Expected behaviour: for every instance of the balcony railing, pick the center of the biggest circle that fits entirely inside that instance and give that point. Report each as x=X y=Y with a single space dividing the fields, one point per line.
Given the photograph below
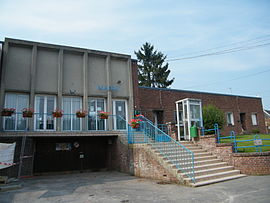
x=68 y=122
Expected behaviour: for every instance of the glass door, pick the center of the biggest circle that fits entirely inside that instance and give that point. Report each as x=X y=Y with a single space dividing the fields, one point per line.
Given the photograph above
x=45 y=105
x=120 y=112
x=70 y=120
x=94 y=122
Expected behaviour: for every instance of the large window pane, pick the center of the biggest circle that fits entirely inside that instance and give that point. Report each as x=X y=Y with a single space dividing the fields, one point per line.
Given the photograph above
x=16 y=121
x=70 y=106
x=120 y=112
x=45 y=105
x=94 y=122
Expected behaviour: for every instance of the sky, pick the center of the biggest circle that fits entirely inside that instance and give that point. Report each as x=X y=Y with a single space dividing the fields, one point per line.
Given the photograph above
x=179 y=29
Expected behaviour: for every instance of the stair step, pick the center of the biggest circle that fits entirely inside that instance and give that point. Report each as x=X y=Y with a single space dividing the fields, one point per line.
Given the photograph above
x=174 y=153
x=210 y=171
x=196 y=163
x=196 y=158
x=208 y=166
x=207 y=182
x=206 y=177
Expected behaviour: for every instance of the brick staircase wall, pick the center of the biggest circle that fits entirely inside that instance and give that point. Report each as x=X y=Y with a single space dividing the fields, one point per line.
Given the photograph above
x=148 y=164
x=257 y=163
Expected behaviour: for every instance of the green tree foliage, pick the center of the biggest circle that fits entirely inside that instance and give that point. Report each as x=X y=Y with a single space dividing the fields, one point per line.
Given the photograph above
x=152 y=72
x=212 y=115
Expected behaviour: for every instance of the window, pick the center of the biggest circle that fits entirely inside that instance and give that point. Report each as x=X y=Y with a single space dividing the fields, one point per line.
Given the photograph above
x=254 y=119
x=94 y=122
x=16 y=121
x=69 y=119
x=230 y=120
x=44 y=106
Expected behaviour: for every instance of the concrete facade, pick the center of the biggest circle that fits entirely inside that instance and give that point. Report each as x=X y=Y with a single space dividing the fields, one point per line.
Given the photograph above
x=32 y=69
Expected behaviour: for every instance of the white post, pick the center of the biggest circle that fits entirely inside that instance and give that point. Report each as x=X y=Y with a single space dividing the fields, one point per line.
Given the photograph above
x=178 y=123
x=188 y=117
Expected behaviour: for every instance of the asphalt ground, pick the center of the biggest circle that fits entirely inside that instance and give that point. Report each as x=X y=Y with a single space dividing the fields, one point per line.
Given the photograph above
x=110 y=187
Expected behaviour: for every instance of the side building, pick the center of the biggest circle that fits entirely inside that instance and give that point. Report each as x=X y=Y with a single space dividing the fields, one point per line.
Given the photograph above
x=47 y=77
x=242 y=114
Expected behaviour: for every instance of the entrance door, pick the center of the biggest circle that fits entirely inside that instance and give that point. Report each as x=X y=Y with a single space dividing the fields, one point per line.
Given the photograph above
x=243 y=121
x=120 y=112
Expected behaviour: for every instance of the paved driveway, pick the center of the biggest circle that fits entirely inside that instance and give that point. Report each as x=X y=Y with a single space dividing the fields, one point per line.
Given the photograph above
x=122 y=188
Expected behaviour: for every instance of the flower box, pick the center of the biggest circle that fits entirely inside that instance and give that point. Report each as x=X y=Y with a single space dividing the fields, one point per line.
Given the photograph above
x=27 y=113
x=57 y=113
x=81 y=114
x=7 y=111
x=135 y=123
x=103 y=115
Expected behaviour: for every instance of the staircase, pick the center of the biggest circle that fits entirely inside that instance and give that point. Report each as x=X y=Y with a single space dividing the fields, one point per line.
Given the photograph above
x=208 y=169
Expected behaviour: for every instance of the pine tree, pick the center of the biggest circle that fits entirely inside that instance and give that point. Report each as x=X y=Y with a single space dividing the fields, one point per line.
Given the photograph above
x=152 y=72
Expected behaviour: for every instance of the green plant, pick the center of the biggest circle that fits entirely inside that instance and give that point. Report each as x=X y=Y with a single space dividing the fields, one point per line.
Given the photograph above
x=103 y=115
x=255 y=131
x=81 y=113
x=212 y=115
x=28 y=112
x=8 y=111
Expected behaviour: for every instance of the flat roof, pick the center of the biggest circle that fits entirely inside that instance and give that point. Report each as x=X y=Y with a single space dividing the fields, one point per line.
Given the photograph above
x=56 y=46
x=197 y=92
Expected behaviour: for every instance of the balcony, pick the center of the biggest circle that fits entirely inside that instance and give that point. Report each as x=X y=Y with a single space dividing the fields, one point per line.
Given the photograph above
x=42 y=124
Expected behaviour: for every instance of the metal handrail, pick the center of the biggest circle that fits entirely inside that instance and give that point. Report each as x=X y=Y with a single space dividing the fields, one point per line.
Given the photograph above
x=181 y=157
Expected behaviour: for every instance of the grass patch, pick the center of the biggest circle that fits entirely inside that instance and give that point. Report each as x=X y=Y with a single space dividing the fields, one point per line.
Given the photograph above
x=249 y=143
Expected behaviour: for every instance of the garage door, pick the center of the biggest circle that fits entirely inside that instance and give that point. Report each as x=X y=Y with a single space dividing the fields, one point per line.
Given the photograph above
x=71 y=153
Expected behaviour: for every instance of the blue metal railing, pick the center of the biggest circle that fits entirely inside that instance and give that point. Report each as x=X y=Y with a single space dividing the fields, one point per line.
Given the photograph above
x=173 y=151
x=69 y=122
x=232 y=137
x=163 y=127
x=214 y=130
x=258 y=146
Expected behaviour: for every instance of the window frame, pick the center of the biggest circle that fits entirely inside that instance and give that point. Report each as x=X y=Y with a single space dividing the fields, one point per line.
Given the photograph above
x=16 y=111
x=45 y=113
x=114 y=113
x=229 y=115
x=72 y=114
x=256 y=119
x=105 y=109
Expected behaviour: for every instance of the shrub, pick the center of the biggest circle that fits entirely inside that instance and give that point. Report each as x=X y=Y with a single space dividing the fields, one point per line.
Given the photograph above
x=212 y=115
x=255 y=131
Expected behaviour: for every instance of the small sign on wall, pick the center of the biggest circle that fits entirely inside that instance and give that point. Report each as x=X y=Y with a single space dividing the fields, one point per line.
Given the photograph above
x=63 y=146
x=257 y=142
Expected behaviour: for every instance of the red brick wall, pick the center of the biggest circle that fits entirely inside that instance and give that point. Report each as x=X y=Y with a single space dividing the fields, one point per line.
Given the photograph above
x=247 y=163
x=146 y=166
x=252 y=163
x=157 y=99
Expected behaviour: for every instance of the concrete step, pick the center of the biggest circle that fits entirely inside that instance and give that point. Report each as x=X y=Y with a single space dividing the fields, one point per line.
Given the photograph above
x=196 y=158
x=209 y=166
x=216 y=180
x=191 y=148
x=196 y=163
x=173 y=153
x=218 y=175
x=209 y=171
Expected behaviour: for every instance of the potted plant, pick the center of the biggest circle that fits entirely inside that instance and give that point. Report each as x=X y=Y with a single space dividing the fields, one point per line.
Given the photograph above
x=27 y=112
x=135 y=123
x=57 y=113
x=8 y=111
x=103 y=115
x=81 y=113
x=139 y=115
